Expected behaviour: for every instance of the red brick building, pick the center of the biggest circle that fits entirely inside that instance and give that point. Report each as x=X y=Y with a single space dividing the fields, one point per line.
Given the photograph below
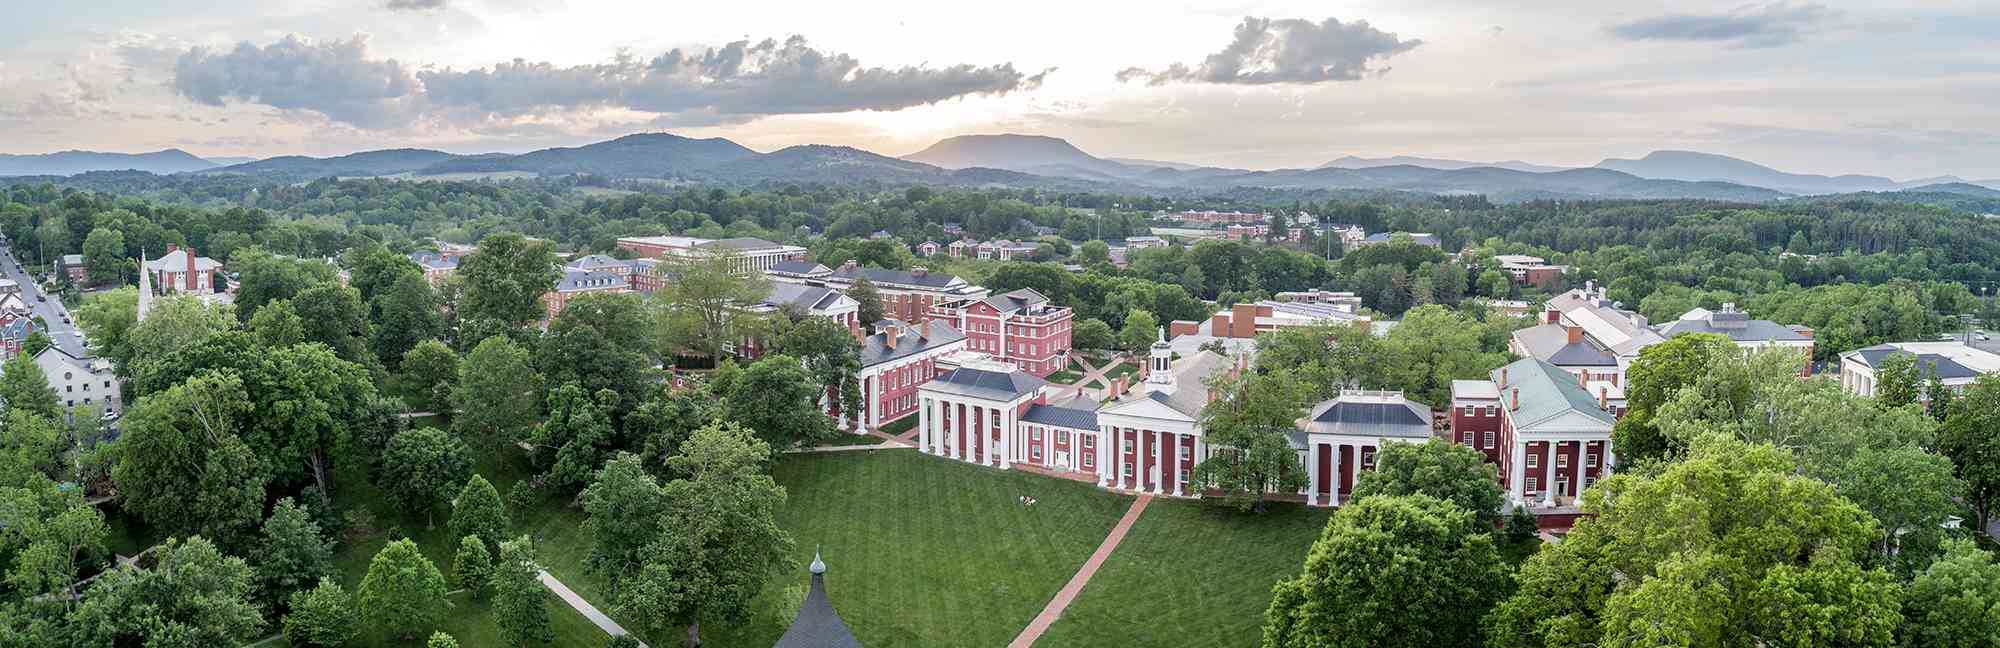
x=1552 y=439
x=895 y=361
x=1020 y=328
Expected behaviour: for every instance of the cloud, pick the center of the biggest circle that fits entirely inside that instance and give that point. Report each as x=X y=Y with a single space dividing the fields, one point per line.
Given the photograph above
x=733 y=83
x=1267 y=51
x=413 y=5
x=1770 y=25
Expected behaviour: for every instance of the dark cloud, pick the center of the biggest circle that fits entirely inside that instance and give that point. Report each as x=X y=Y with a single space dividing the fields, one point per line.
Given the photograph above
x=732 y=83
x=414 y=5
x=1287 y=51
x=1769 y=25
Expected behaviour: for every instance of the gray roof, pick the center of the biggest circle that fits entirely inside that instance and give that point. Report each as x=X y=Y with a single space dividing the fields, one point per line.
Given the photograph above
x=596 y=262
x=910 y=340
x=798 y=268
x=817 y=624
x=1740 y=330
x=1542 y=340
x=901 y=277
x=1190 y=390
x=982 y=383
x=573 y=279
x=1546 y=391
x=810 y=297
x=742 y=243
x=1581 y=354
x=1370 y=415
x=434 y=260
x=1016 y=300
x=1415 y=237
x=1066 y=417
x=1943 y=366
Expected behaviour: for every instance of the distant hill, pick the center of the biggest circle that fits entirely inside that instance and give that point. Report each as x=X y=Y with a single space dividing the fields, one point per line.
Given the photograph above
x=68 y=163
x=230 y=161
x=1136 y=162
x=644 y=155
x=1352 y=162
x=1693 y=166
x=1501 y=184
x=1960 y=188
x=1016 y=153
x=366 y=163
x=822 y=163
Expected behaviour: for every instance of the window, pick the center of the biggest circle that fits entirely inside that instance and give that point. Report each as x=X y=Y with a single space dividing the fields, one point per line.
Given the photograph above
x=1035 y=453
x=1034 y=434
x=1466 y=438
x=1492 y=410
x=1089 y=461
x=69 y=388
x=1562 y=460
x=1128 y=469
x=1489 y=439
x=1184 y=476
x=1533 y=485
x=1089 y=442
x=1367 y=460
x=1062 y=437
x=1590 y=460
x=1534 y=460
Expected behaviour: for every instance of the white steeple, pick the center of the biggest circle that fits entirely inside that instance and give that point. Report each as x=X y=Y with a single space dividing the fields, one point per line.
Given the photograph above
x=145 y=286
x=1160 y=372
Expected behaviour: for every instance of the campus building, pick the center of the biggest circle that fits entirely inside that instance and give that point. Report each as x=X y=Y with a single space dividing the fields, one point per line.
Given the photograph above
x=80 y=381
x=748 y=254
x=1955 y=364
x=907 y=295
x=1747 y=333
x=1246 y=321
x=895 y=361
x=1586 y=334
x=1340 y=437
x=1551 y=440
x=1020 y=327
x=1530 y=270
x=436 y=265
x=182 y=271
x=577 y=282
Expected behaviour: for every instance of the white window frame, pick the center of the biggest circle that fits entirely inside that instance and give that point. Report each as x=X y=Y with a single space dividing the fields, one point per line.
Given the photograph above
x=1489 y=439
x=1590 y=460
x=1533 y=486
x=1534 y=460
x=1562 y=460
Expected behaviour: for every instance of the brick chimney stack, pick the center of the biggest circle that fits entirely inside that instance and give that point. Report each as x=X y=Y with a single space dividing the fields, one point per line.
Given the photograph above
x=1575 y=333
x=889 y=335
x=1503 y=377
x=920 y=272
x=190 y=269
x=1604 y=398
x=850 y=265
x=1514 y=402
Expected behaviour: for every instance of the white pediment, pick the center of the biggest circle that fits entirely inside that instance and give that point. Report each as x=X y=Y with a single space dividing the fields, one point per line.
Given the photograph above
x=1570 y=421
x=1146 y=408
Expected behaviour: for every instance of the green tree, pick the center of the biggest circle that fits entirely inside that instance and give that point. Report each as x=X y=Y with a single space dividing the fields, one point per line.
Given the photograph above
x=1249 y=425
x=430 y=372
x=334 y=315
x=1971 y=438
x=478 y=512
x=1658 y=374
x=623 y=506
x=322 y=616
x=104 y=256
x=573 y=441
x=775 y=397
x=600 y=341
x=36 y=342
x=24 y=388
x=1432 y=347
x=172 y=323
x=1439 y=468
x=719 y=536
x=1093 y=334
x=182 y=466
x=496 y=394
x=422 y=468
x=831 y=355
x=520 y=603
x=1956 y=602
x=700 y=307
x=404 y=314
x=1092 y=253
x=108 y=318
x=1898 y=381
x=472 y=566
x=403 y=592
x=505 y=280
x=32 y=450
x=1140 y=331
x=263 y=277
x=441 y=640
x=277 y=325
x=308 y=400
x=1401 y=570
x=1725 y=547
x=291 y=553
x=869 y=297
x=51 y=545
x=194 y=595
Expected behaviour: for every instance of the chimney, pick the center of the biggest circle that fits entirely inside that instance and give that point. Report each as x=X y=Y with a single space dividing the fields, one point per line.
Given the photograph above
x=1514 y=402
x=190 y=269
x=1503 y=376
x=1604 y=398
x=1575 y=333
x=1583 y=377
x=850 y=265
x=919 y=272
x=170 y=248
x=889 y=336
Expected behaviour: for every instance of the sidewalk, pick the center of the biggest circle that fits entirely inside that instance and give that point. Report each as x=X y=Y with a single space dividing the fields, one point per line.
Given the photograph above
x=1055 y=608
x=583 y=607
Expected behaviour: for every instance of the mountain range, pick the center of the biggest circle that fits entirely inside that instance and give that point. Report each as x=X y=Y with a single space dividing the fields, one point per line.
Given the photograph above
x=1032 y=161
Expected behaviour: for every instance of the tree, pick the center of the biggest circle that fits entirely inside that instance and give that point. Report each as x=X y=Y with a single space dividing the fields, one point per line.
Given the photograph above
x=520 y=603
x=575 y=438
x=52 y=543
x=277 y=325
x=441 y=640
x=322 y=616
x=1092 y=253
x=1093 y=334
x=1898 y=381
x=1726 y=547
x=32 y=450
x=1439 y=468
x=478 y=512
x=1140 y=331
x=1249 y=424
x=403 y=592
x=1400 y=570
x=108 y=318
x=623 y=507
x=1956 y=602
x=104 y=256
x=36 y=342
x=404 y=314
x=24 y=388
x=263 y=277
x=831 y=355
x=505 y=280
x=422 y=468
x=1971 y=438
x=869 y=297
x=194 y=595
x=719 y=537
x=182 y=466
x=1432 y=347
x=291 y=554
x=430 y=372
x=1658 y=374
x=600 y=342
x=472 y=566
x=308 y=400
x=777 y=399
x=172 y=323
x=702 y=303
x=496 y=394
x=334 y=315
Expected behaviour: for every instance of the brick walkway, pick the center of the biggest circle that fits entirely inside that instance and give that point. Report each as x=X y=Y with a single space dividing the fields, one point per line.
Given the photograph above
x=1069 y=591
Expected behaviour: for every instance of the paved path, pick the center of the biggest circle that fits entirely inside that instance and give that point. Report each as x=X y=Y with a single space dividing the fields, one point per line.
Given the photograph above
x=583 y=607
x=1069 y=591
x=885 y=445
x=53 y=313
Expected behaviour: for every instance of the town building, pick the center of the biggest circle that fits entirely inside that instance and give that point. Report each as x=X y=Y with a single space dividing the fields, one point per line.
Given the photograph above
x=1748 y=333
x=907 y=295
x=1530 y=270
x=1218 y=218
x=1586 y=334
x=1419 y=238
x=1339 y=438
x=1348 y=300
x=1021 y=328
x=80 y=381
x=928 y=249
x=1245 y=321
x=897 y=360
x=641 y=275
x=1955 y=364
x=812 y=301
x=798 y=272
x=749 y=254
x=73 y=268
x=436 y=265
x=1551 y=440
x=1249 y=232
x=16 y=322
x=578 y=282
x=962 y=248
x=183 y=271
x=1005 y=250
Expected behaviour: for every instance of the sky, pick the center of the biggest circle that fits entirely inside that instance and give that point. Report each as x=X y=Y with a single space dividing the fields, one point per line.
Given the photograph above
x=1908 y=91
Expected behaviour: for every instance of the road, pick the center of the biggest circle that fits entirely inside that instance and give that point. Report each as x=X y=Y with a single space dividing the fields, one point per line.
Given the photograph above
x=52 y=311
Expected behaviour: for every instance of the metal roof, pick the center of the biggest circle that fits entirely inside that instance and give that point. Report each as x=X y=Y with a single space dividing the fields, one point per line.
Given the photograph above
x=1736 y=327
x=910 y=340
x=817 y=624
x=1944 y=366
x=1581 y=354
x=900 y=277
x=1370 y=414
x=990 y=384
x=1064 y=417
x=1016 y=300
x=1546 y=391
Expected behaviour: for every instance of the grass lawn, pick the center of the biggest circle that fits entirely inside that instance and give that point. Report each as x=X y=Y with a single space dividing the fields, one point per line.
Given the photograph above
x=921 y=551
x=1190 y=574
x=900 y=425
x=845 y=439
x=1121 y=369
x=1094 y=384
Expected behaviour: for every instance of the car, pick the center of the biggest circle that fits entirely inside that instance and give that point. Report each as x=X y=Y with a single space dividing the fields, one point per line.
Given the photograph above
x=41 y=298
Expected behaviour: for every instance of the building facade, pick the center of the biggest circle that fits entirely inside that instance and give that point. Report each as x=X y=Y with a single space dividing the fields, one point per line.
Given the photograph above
x=1552 y=440
x=1020 y=327
x=183 y=271
x=748 y=254
x=907 y=295
x=895 y=362
x=1955 y=364
x=80 y=381
x=1340 y=437
x=577 y=282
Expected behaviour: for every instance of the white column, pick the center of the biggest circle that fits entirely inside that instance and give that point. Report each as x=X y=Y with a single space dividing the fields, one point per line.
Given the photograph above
x=873 y=403
x=1549 y=474
x=1159 y=463
x=1517 y=478
x=1174 y=471
x=1609 y=458
x=1007 y=438
x=1312 y=473
x=924 y=425
x=1103 y=450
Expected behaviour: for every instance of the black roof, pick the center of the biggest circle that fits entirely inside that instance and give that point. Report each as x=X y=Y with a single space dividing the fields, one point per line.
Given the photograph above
x=1929 y=363
x=1353 y=413
x=817 y=625
x=1066 y=417
x=1581 y=354
x=903 y=277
